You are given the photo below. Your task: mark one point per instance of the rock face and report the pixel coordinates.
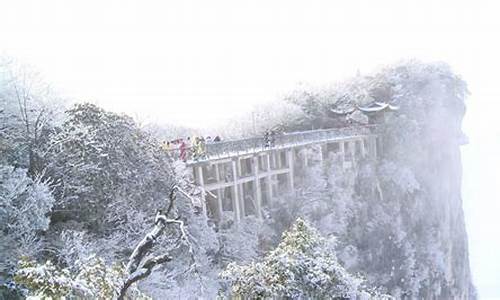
(406, 228)
(422, 145)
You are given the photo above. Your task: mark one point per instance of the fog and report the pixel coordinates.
(200, 63)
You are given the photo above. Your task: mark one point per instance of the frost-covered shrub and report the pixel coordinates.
(91, 280)
(303, 265)
(75, 246)
(44, 280)
(24, 207)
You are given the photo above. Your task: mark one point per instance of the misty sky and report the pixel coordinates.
(200, 63)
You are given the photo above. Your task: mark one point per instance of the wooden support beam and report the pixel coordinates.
(270, 160)
(202, 185)
(241, 188)
(381, 146)
(235, 193)
(219, 193)
(352, 149)
(277, 159)
(257, 189)
(291, 158)
(363, 147)
(306, 159)
(269, 191)
(220, 209)
(342, 154)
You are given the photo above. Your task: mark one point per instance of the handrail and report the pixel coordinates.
(280, 140)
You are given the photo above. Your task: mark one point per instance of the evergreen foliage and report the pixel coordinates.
(302, 266)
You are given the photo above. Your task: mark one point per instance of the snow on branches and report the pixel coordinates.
(302, 266)
(24, 205)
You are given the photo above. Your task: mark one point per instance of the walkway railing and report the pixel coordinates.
(282, 140)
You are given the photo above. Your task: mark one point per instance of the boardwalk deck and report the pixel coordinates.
(243, 176)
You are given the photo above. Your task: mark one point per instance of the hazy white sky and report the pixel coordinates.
(198, 63)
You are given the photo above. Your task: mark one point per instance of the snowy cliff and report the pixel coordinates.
(399, 219)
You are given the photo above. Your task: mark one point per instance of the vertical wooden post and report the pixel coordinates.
(320, 152)
(342, 153)
(202, 185)
(268, 161)
(236, 201)
(219, 203)
(306, 162)
(269, 191)
(276, 159)
(363, 148)
(290, 155)
(241, 188)
(219, 193)
(352, 148)
(257, 189)
(380, 145)
(272, 160)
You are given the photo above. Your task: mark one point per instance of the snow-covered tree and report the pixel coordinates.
(24, 207)
(92, 279)
(28, 111)
(303, 265)
(104, 165)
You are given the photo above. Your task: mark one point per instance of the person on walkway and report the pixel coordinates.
(203, 147)
(183, 148)
(196, 148)
(189, 148)
(272, 138)
(267, 139)
(166, 146)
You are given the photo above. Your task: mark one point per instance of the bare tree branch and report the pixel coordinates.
(147, 243)
(138, 271)
(143, 272)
